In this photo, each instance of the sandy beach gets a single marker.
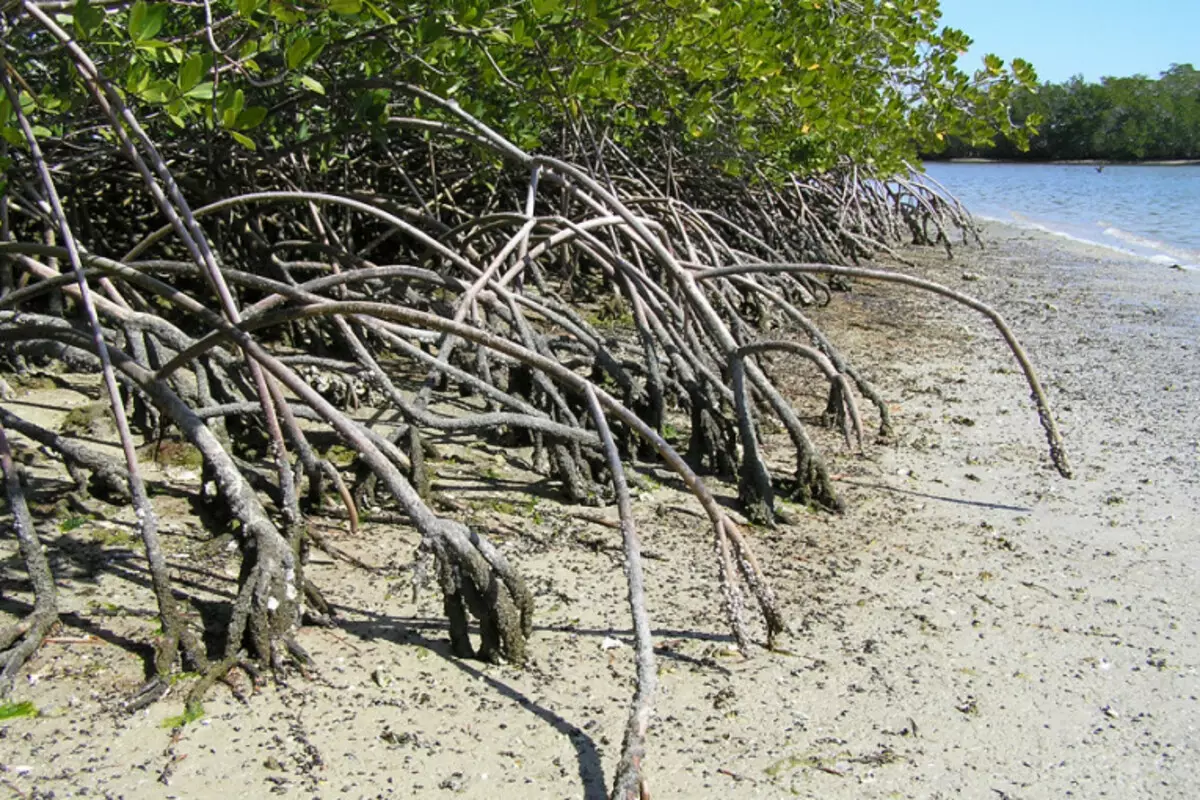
(973, 625)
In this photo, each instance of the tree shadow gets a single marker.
(403, 631)
(411, 630)
(88, 625)
(209, 593)
(193, 586)
(940, 497)
(503, 488)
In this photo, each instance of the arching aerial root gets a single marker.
(20, 641)
(556, 294)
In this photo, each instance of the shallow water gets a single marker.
(1147, 211)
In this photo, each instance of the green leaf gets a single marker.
(201, 91)
(251, 117)
(470, 14)
(315, 45)
(345, 6)
(158, 92)
(190, 73)
(296, 52)
(151, 47)
(137, 19)
(145, 21)
(246, 8)
(283, 12)
(88, 18)
(137, 78)
(431, 28)
(243, 140)
(380, 14)
(312, 84)
(14, 710)
(544, 8)
(231, 107)
(190, 713)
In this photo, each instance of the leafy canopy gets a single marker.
(773, 86)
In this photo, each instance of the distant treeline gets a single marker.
(1118, 119)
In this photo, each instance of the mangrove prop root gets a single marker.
(431, 292)
(21, 640)
(629, 780)
(175, 634)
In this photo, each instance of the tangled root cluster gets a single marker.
(447, 263)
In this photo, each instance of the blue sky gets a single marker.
(1089, 37)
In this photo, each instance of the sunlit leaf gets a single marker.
(145, 21)
(312, 84)
(159, 91)
(201, 91)
(15, 710)
(285, 12)
(243, 140)
(296, 52)
(380, 14)
(190, 73)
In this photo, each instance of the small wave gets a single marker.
(1128, 244)
(1154, 249)
(1136, 239)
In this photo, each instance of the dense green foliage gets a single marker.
(757, 85)
(1118, 119)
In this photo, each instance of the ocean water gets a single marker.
(1152, 212)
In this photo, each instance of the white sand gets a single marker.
(973, 626)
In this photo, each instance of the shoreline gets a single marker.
(1083, 162)
(973, 625)
(1088, 246)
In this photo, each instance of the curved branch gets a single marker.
(1058, 453)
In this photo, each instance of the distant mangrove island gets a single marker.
(1118, 119)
